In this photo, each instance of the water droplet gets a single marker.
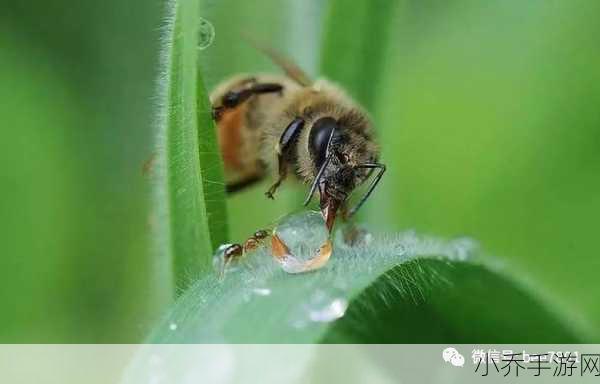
(332, 311)
(322, 306)
(303, 234)
(206, 33)
(173, 327)
(262, 291)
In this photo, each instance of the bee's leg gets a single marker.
(232, 99)
(285, 151)
(372, 166)
(282, 174)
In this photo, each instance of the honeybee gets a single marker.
(286, 124)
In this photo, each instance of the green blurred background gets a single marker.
(488, 113)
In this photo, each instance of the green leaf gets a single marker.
(355, 44)
(449, 302)
(481, 139)
(76, 115)
(211, 168)
(190, 195)
(399, 288)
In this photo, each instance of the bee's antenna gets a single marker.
(313, 187)
(374, 183)
(289, 67)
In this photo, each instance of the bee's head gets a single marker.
(338, 154)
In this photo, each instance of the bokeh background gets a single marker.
(487, 112)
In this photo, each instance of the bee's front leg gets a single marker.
(282, 174)
(285, 148)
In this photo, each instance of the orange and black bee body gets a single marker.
(275, 125)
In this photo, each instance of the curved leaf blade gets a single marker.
(448, 302)
(190, 196)
(259, 303)
(355, 45)
(211, 168)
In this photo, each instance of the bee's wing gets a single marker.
(290, 68)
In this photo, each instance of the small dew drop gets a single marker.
(262, 291)
(173, 327)
(206, 33)
(334, 310)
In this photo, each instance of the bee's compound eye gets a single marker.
(319, 138)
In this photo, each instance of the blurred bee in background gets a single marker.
(286, 124)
